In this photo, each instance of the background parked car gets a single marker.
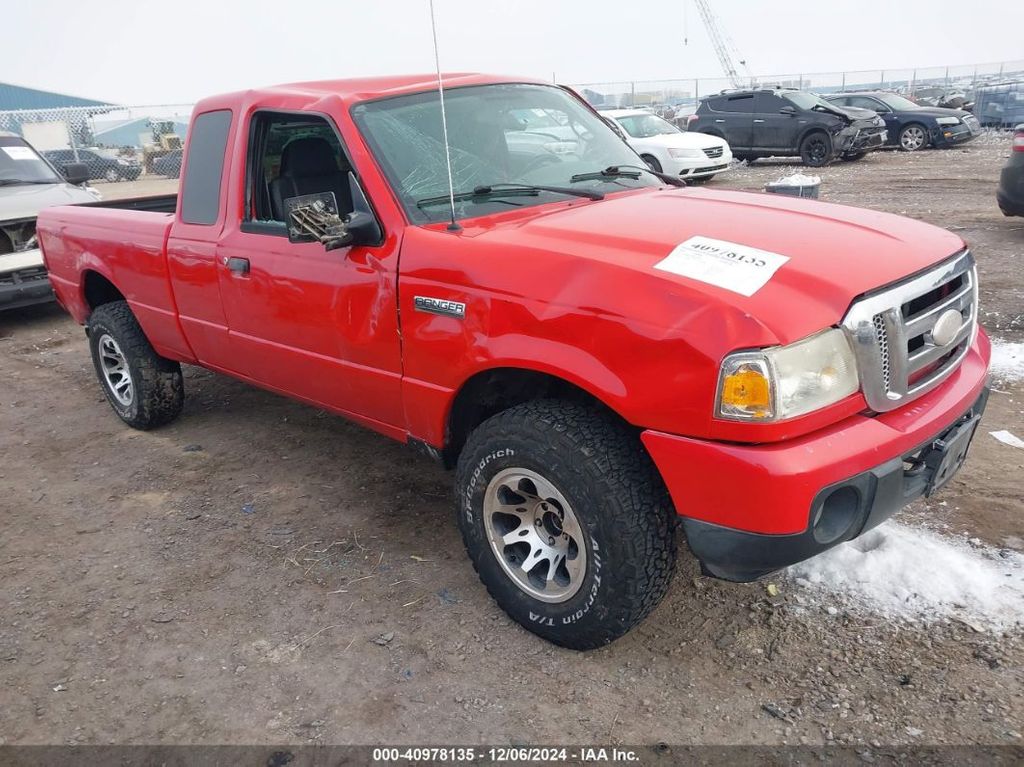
(784, 122)
(27, 185)
(101, 167)
(693, 156)
(1000, 105)
(169, 165)
(1011, 181)
(910, 126)
(936, 96)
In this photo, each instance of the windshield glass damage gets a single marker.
(501, 136)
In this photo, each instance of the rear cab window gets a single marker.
(204, 171)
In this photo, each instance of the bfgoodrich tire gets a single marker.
(566, 520)
(144, 389)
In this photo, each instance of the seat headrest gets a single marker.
(310, 156)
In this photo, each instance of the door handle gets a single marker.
(759, 121)
(237, 265)
(719, 121)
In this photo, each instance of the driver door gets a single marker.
(315, 324)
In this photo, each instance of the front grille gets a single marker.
(891, 332)
(714, 152)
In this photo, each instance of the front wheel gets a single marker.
(144, 389)
(566, 520)
(913, 138)
(112, 175)
(816, 150)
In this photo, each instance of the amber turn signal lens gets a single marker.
(747, 390)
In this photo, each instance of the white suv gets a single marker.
(692, 156)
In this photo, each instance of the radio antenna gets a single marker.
(453, 225)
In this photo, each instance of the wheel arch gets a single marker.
(98, 289)
(810, 130)
(495, 389)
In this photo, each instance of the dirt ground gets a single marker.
(261, 572)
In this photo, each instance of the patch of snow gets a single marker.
(797, 179)
(1008, 438)
(907, 573)
(1007, 360)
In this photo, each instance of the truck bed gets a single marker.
(120, 242)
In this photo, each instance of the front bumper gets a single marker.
(695, 167)
(23, 280)
(952, 135)
(866, 140)
(751, 509)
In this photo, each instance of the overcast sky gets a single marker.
(137, 52)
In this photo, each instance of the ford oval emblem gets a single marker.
(946, 327)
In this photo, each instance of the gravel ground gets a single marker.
(261, 572)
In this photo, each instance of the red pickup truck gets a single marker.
(596, 352)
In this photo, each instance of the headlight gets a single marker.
(787, 381)
(947, 120)
(679, 154)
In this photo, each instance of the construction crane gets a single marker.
(725, 48)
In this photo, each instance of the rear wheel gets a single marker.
(816, 149)
(144, 389)
(566, 520)
(913, 137)
(652, 162)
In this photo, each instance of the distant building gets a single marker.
(136, 132)
(19, 97)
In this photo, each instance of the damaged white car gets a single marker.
(27, 185)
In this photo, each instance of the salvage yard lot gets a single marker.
(261, 572)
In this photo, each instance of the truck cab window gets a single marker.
(289, 156)
(200, 193)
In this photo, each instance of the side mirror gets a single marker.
(787, 110)
(75, 173)
(314, 218)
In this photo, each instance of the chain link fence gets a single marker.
(116, 143)
(996, 90)
(124, 143)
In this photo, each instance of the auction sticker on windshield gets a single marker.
(728, 265)
(19, 152)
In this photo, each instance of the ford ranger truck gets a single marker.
(597, 352)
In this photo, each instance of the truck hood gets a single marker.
(26, 200)
(834, 253)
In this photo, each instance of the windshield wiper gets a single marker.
(626, 171)
(508, 190)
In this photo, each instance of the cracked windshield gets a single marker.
(511, 145)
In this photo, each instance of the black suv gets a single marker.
(781, 121)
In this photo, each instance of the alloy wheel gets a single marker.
(535, 535)
(116, 374)
(912, 138)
